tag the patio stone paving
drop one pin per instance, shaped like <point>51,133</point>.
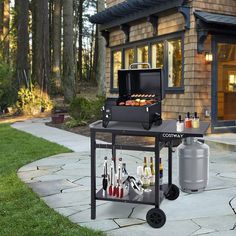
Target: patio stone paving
<point>63,182</point>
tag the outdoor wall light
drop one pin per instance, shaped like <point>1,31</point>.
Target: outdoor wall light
<point>208,57</point>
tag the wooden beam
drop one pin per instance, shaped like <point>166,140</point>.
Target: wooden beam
<point>106,36</point>
<point>126,29</point>
<point>185,11</point>
<point>154,21</point>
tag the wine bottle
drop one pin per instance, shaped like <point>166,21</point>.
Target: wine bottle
<point>144,163</point>
<point>152,166</point>
<point>152,179</point>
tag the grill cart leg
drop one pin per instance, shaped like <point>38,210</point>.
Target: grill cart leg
<point>93,175</point>
<point>155,217</point>
<point>172,191</point>
<point>157,172</point>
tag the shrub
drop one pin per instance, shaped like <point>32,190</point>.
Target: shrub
<point>32,101</point>
<point>84,110</point>
<point>8,91</point>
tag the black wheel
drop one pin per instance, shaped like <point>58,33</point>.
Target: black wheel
<point>156,218</point>
<point>146,126</point>
<point>105,123</point>
<point>173,193</point>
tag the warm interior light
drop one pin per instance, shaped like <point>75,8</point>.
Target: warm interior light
<point>209,57</point>
<point>232,79</point>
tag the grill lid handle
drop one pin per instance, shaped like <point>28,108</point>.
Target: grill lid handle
<point>139,64</point>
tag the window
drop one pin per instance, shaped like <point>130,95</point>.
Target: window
<point>129,57</point>
<point>142,54</point>
<point>163,52</point>
<point>157,55</point>
<point>174,64</point>
<point>117,65</point>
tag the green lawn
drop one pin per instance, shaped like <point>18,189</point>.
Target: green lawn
<point>21,211</point>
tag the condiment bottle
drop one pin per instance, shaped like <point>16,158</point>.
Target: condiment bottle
<point>195,121</point>
<point>180,125</point>
<point>188,122</point>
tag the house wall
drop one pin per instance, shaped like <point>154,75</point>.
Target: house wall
<point>197,73</point>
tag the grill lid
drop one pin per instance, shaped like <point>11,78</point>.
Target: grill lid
<point>140,81</point>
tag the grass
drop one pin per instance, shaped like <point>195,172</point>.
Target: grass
<point>21,211</point>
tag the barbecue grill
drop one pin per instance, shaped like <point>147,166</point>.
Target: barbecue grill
<point>140,96</point>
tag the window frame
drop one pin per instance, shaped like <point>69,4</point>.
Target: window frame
<point>149,42</point>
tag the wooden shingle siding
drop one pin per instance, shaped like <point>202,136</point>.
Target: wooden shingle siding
<point>197,73</point>
<point>217,6</point>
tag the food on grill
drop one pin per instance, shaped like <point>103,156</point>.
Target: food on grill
<point>137,102</point>
<point>143,102</point>
<point>121,104</point>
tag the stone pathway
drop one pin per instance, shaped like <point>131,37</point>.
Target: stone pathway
<point>63,182</point>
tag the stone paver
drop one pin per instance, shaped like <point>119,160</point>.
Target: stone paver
<point>63,182</point>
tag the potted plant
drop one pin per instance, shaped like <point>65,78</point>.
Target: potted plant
<point>58,115</point>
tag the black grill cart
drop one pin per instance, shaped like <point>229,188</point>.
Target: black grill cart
<point>140,97</point>
<point>164,136</point>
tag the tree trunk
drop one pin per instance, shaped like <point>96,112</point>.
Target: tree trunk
<point>22,10</point>
<point>6,26</point>
<point>41,62</point>
<point>101,57</point>
<point>91,65</point>
<point>1,19</point>
<point>56,46</point>
<point>68,53</point>
<point>80,52</point>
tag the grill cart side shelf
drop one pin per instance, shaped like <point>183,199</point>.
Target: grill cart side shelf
<point>164,136</point>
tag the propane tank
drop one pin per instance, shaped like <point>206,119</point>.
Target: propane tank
<point>193,165</point>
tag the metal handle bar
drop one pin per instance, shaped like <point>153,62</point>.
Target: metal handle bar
<point>140,64</point>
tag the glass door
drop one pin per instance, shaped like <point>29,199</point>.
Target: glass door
<point>224,83</point>
<point>226,56</point>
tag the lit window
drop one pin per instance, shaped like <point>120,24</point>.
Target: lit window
<point>129,57</point>
<point>142,54</point>
<point>117,65</point>
<point>174,63</point>
<point>157,55</point>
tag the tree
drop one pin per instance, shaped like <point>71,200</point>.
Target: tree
<point>1,18</point>
<point>80,51</point>
<point>41,62</point>
<point>101,55</point>
<point>68,52</point>
<point>56,45</point>
<point>22,10</point>
<point>6,27</point>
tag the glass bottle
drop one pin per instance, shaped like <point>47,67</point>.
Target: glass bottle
<point>195,121</point>
<point>152,179</point>
<point>188,122</point>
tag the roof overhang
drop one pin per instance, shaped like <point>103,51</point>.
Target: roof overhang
<point>212,23</point>
<point>133,10</point>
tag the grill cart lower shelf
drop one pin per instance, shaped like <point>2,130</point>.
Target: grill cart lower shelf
<point>164,136</point>
<point>148,198</point>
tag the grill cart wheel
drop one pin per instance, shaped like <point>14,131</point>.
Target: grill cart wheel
<point>156,218</point>
<point>105,123</point>
<point>146,126</point>
<point>173,193</point>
